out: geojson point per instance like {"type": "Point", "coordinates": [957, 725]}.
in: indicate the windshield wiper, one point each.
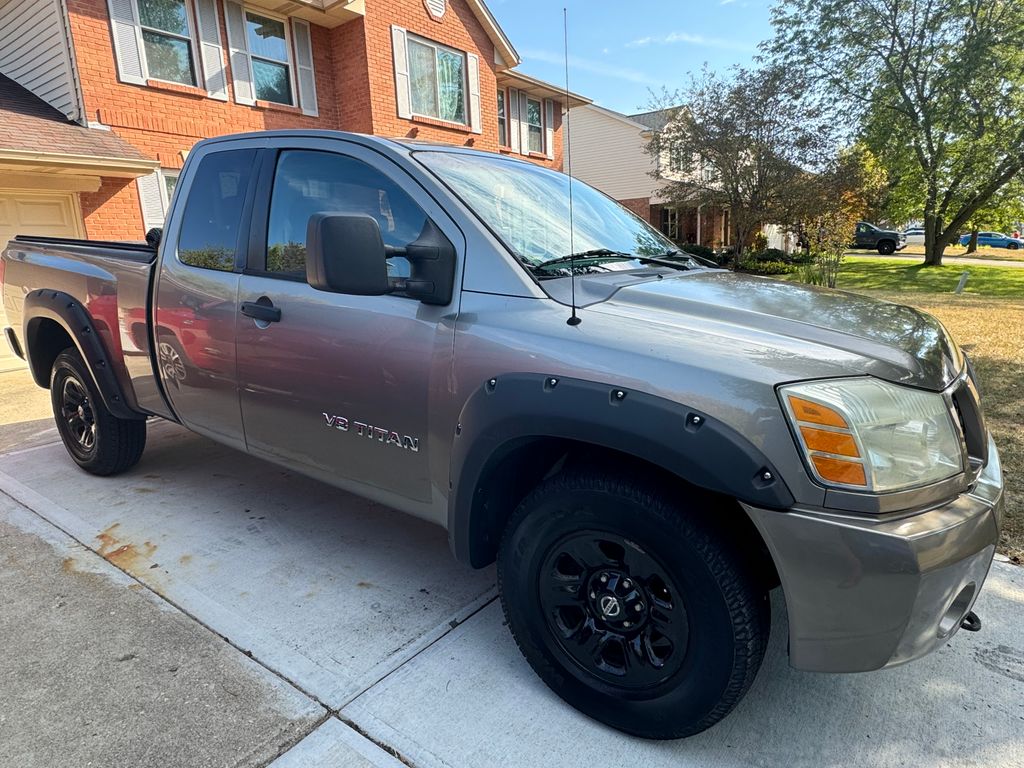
{"type": "Point", "coordinates": [606, 254]}
{"type": "Point", "coordinates": [591, 255]}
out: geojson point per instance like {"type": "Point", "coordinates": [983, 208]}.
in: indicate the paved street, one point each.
{"type": "Point", "coordinates": [209, 609]}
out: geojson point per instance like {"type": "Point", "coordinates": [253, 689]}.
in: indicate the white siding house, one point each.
{"type": "Point", "coordinates": [35, 53]}
{"type": "Point", "coordinates": [608, 153]}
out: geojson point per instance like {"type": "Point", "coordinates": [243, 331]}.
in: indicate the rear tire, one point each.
{"type": "Point", "coordinates": [635, 612]}
{"type": "Point", "coordinates": [886, 247]}
{"type": "Point", "coordinates": [98, 441]}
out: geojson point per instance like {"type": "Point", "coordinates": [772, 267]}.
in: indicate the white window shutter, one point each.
{"type": "Point", "coordinates": [124, 21]}
{"type": "Point", "coordinates": [238, 45]}
{"type": "Point", "coordinates": [303, 37]}
{"type": "Point", "coordinates": [151, 201]}
{"type": "Point", "coordinates": [524, 125]}
{"type": "Point", "coordinates": [210, 49]}
{"type": "Point", "coordinates": [473, 70]}
{"type": "Point", "coordinates": [401, 56]}
{"type": "Point", "coordinates": [514, 131]}
{"type": "Point", "coordinates": [549, 128]}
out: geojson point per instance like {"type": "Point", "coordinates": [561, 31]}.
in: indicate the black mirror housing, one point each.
{"type": "Point", "coordinates": [345, 254]}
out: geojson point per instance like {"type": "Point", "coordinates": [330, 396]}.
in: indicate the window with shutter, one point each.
{"type": "Point", "coordinates": [211, 52]}
{"type": "Point", "coordinates": [304, 65]}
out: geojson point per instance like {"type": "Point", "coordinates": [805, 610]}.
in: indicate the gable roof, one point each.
{"type": "Point", "coordinates": [618, 116]}
{"type": "Point", "coordinates": [28, 123]}
{"type": "Point", "coordinates": [654, 120]}
{"type": "Point", "coordinates": [502, 45]}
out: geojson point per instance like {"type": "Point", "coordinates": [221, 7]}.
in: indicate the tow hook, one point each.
{"type": "Point", "coordinates": [970, 622]}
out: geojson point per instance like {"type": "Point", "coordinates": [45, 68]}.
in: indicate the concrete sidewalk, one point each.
{"type": "Point", "coordinates": [354, 639]}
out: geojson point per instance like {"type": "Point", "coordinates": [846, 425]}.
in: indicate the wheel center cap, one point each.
{"type": "Point", "coordinates": [611, 606]}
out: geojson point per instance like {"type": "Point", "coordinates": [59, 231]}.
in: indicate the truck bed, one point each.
{"type": "Point", "coordinates": [111, 280]}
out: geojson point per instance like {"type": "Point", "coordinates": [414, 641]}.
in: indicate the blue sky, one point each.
{"type": "Point", "coordinates": [620, 51]}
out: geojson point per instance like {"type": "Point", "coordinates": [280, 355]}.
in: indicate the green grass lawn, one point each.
{"type": "Point", "coordinates": [890, 276]}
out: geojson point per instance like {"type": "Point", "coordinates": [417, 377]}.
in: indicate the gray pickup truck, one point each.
{"type": "Point", "coordinates": [647, 446]}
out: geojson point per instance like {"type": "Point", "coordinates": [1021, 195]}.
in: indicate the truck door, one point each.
{"type": "Point", "coordinates": [197, 291]}
{"type": "Point", "coordinates": [339, 386]}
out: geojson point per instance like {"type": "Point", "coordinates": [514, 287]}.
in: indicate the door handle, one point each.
{"type": "Point", "coordinates": [262, 310]}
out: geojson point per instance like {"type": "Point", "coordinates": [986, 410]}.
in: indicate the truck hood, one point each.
{"type": "Point", "coordinates": [887, 340]}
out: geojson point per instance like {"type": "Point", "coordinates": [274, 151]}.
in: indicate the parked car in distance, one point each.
{"type": "Point", "coordinates": [646, 452]}
{"type": "Point", "coordinates": [994, 240]}
{"type": "Point", "coordinates": [914, 236]}
{"type": "Point", "coordinates": [885, 241]}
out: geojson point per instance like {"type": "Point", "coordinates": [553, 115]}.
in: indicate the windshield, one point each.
{"type": "Point", "coordinates": [528, 207]}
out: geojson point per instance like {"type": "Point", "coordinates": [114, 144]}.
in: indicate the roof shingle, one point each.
{"type": "Point", "coordinates": [29, 124]}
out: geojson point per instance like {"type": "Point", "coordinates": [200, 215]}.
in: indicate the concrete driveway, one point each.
{"type": "Point", "coordinates": [309, 628]}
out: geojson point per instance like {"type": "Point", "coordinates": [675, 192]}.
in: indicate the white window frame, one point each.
{"type": "Point", "coordinates": [503, 119]}
{"type": "Point", "coordinates": [292, 62]}
{"type": "Point", "coordinates": [164, 174]}
{"type": "Point", "coordinates": [529, 125]}
{"type": "Point", "coordinates": [410, 37]}
{"type": "Point", "coordinates": [193, 35]}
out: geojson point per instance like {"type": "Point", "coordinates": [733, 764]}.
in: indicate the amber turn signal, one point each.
{"type": "Point", "coordinates": [815, 413]}
{"type": "Point", "coordinates": [840, 470]}
{"type": "Point", "coordinates": [826, 441]}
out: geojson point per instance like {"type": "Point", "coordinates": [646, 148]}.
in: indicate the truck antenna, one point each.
{"type": "Point", "coordinates": [574, 319]}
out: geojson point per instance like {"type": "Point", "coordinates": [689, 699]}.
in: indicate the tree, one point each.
{"type": "Point", "coordinates": [938, 85]}
{"type": "Point", "coordinates": [823, 208]}
{"type": "Point", "coordinates": [737, 140]}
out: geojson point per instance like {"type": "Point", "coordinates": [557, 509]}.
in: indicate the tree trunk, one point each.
{"type": "Point", "coordinates": [972, 246]}
{"type": "Point", "coordinates": [932, 230]}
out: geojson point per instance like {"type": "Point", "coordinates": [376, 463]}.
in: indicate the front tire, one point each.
{"type": "Point", "coordinates": [98, 441]}
{"type": "Point", "coordinates": [1012, 246]}
{"type": "Point", "coordinates": [629, 605]}
{"type": "Point", "coordinates": [886, 247]}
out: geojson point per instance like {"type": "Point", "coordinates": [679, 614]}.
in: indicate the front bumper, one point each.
{"type": "Point", "coordinates": [866, 593]}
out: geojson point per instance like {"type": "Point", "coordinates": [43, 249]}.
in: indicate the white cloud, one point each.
{"type": "Point", "coordinates": [588, 65]}
{"type": "Point", "coordinates": [699, 40]}
{"type": "Point", "coordinates": [727, 2]}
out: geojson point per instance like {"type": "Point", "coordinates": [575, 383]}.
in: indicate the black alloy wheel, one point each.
{"type": "Point", "coordinates": [613, 609]}
{"type": "Point", "coordinates": [79, 419]}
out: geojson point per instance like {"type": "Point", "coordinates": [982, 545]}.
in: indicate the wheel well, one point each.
{"type": "Point", "coordinates": [44, 340]}
{"type": "Point", "coordinates": [517, 468]}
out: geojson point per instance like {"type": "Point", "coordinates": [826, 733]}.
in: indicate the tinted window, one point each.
{"type": "Point", "coordinates": [213, 210]}
{"type": "Point", "coordinates": [309, 182]}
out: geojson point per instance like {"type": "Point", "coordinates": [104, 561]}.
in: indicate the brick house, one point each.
{"type": "Point", "coordinates": [608, 152]}
{"type": "Point", "coordinates": [138, 82]}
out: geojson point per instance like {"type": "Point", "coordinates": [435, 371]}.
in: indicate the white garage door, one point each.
{"type": "Point", "coordinates": [52, 214]}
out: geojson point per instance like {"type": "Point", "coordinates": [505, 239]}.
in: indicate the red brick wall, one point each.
{"type": "Point", "coordinates": [642, 207]}
{"type": "Point", "coordinates": [355, 92]}
{"type": "Point", "coordinates": [112, 212]}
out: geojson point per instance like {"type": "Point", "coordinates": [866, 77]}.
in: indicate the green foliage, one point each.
{"type": "Point", "coordinates": [734, 142]}
{"type": "Point", "coordinates": [766, 267]}
{"type": "Point", "coordinates": [770, 254]}
{"type": "Point", "coordinates": [699, 250]}
{"type": "Point", "coordinates": [760, 242]}
{"type": "Point", "coordinates": [934, 87]}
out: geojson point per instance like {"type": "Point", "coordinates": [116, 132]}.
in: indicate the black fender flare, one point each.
{"type": "Point", "coordinates": [687, 442]}
{"type": "Point", "coordinates": [76, 321]}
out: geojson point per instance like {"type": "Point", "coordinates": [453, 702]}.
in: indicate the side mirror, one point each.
{"type": "Point", "coordinates": [345, 254]}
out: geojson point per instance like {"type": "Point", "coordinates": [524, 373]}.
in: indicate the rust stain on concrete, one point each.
{"type": "Point", "coordinates": [128, 557]}
{"type": "Point", "coordinates": [185, 559]}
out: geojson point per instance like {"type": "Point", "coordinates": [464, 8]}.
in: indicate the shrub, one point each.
{"type": "Point", "coordinates": [760, 242]}
{"type": "Point", "coordinates": [769, 254]}
{"type": "Point", "coordinates": [698, 250]}
{"type": "Point", "coordinates": [758, 267]}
